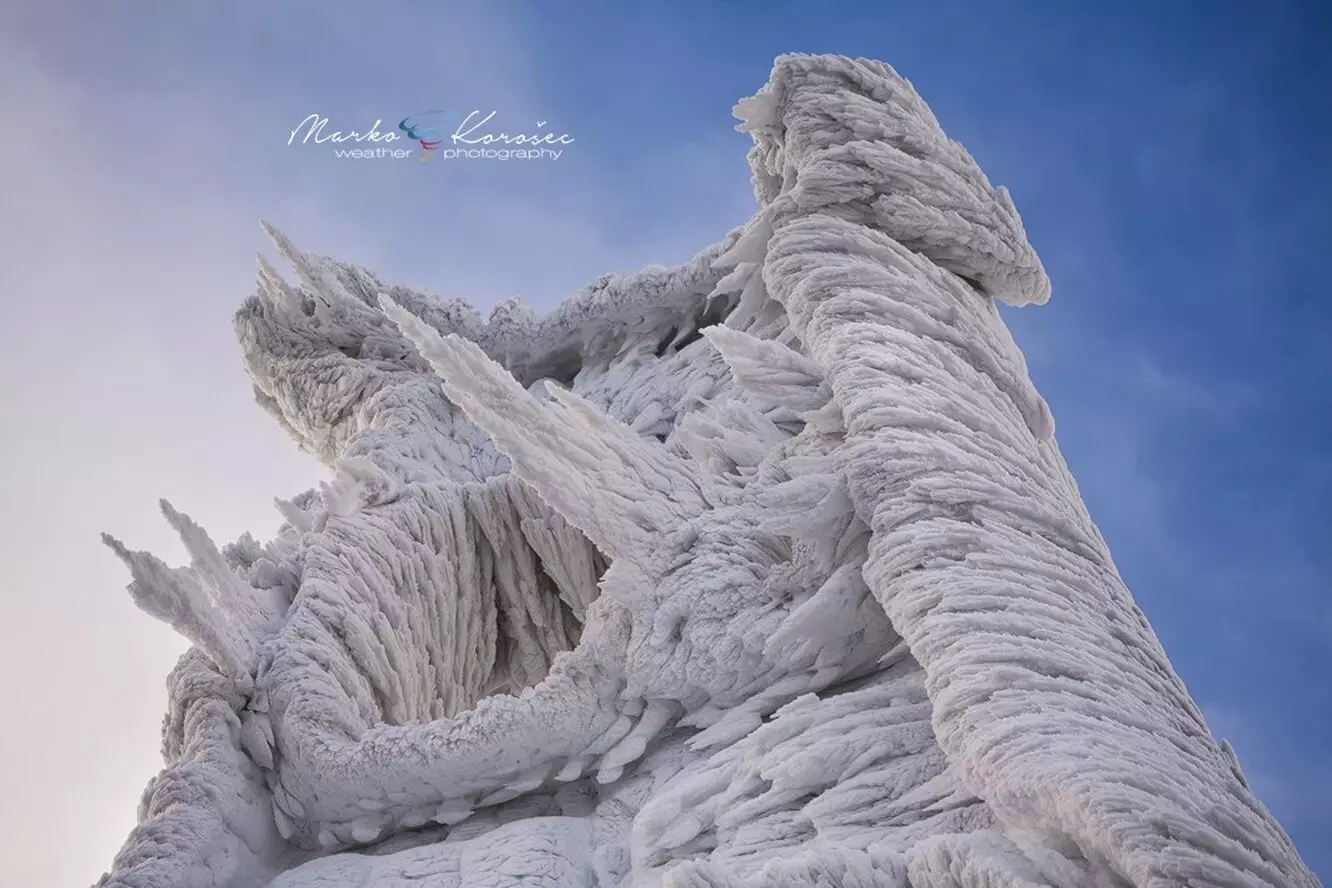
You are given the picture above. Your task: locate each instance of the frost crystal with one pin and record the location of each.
(761, 571)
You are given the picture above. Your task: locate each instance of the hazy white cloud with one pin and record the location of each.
(115, 317)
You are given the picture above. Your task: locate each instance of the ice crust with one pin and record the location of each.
(761, 571)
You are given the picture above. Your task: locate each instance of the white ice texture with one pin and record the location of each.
(761, 571)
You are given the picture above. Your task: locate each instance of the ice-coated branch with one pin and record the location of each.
(618, 489)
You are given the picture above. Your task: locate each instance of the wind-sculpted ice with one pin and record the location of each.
(761, 571)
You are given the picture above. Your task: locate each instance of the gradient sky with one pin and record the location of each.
(1169, 159)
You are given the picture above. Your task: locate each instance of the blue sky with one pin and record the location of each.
(1169, 160)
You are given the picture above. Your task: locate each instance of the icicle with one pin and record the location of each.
(453, 811)
(176, 597)
(657, 715)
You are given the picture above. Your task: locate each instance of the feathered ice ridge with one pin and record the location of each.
(761, 571)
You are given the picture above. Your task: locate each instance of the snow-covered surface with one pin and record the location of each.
(764, 570)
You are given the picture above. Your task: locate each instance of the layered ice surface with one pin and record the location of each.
(765, 570)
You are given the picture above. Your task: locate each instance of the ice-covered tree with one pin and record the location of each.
(761, 571)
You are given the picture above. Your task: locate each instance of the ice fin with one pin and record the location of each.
(620, 490)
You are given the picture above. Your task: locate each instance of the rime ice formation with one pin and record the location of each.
(761, 571)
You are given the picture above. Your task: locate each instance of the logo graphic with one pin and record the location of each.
(417, 128)
(475, 136)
